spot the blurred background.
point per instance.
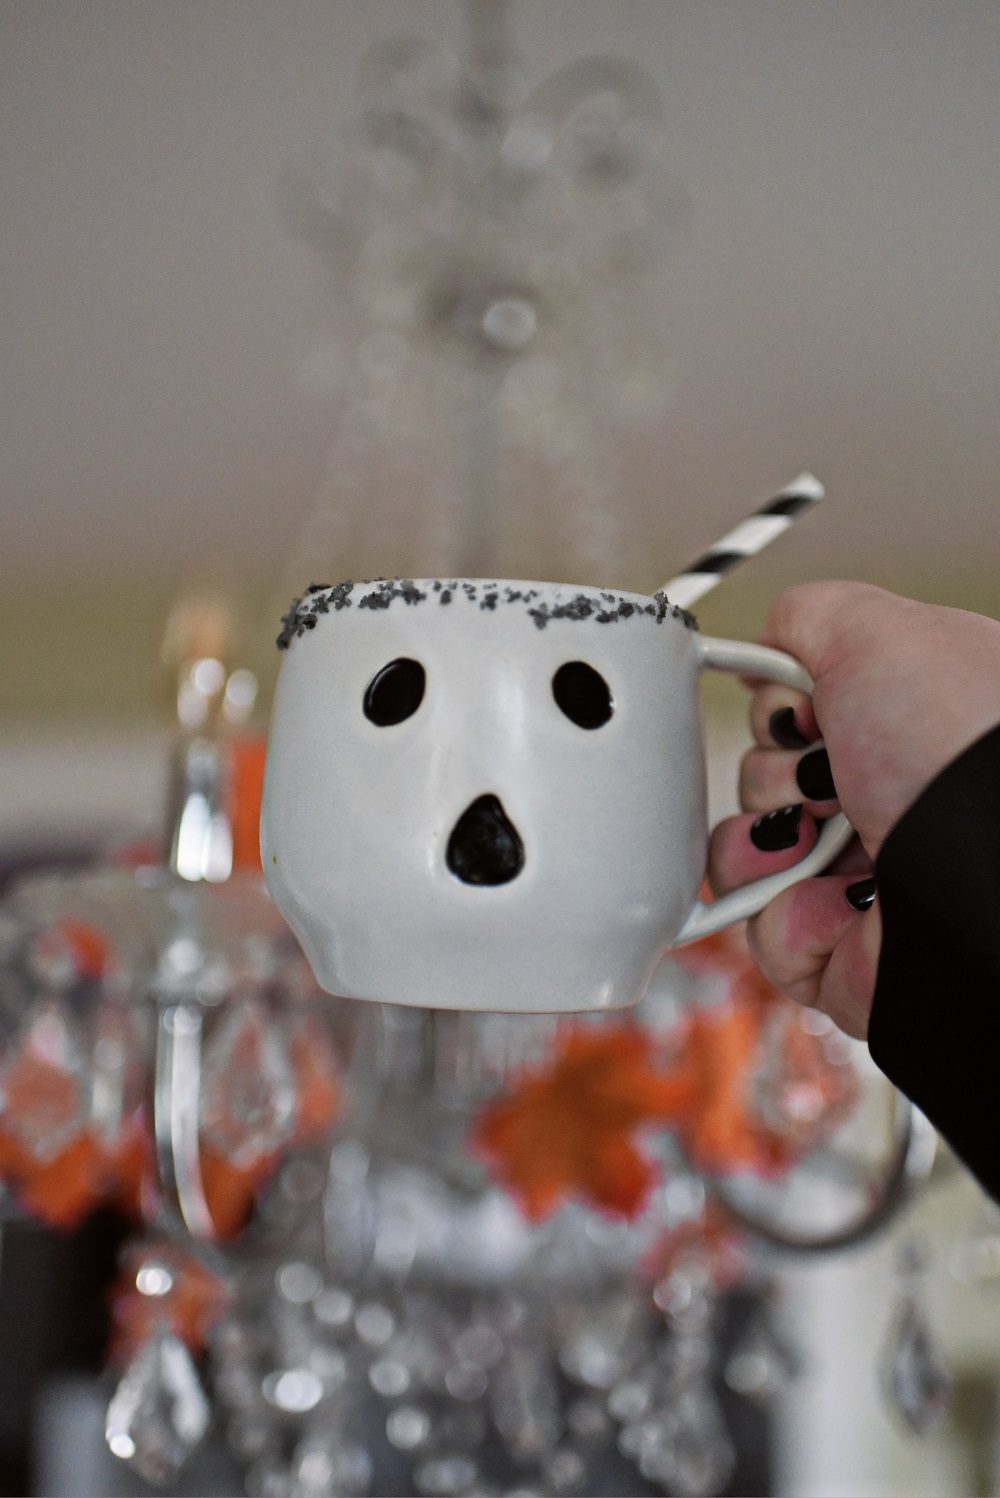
(188, 402)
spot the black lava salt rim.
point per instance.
(608, 608)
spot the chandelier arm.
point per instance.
(184, 1215)
(908, 1169)
(176, 1112)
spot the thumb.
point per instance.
(810, 620)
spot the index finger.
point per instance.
(807, 619)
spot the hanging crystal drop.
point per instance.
(682, 1443)
(525, 1401)
(42, 1086)
(324, 1465)
(760, 1365)
(248, 1097)
(565, 1471)
(448, 1476)
(588, 1421)
(158, 1413)
(268, 1478)
(597, 1351)
(407, 1427)
(692, 1452)
(917, 1384)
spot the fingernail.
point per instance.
(784, 730)
(777, 830)
(814, 776)
(862, 894)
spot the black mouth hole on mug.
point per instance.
(583, 694)
(395, 692)
(485, 847)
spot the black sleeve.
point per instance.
(935, 1023)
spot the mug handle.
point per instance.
(746, 659)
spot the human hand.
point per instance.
(901, 688)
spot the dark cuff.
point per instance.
(935, 1023)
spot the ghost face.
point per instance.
(485, 795)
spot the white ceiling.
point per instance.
(839, 304)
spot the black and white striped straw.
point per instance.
(748, 538)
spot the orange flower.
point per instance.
(92, 950)
(61, 1191)
(247, 756)
(721, 1048)
(568, 1129)
(88, 1172)
(767, 1089)
(743, 1086)
(132, 1161)
(230, 1192)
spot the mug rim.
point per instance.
(585, 600)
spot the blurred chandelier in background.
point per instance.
(497, 339)
(406, 1250)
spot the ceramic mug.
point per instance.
(491, 795)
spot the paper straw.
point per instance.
(748, 538)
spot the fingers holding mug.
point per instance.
(818, 942)
(771, 778)
(782, 718)
(749, 847)
(787, 790)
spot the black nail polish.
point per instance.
(784, 730)
(861, 895)
(777, 830)
(814, 776)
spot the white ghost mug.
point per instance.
(491, 795)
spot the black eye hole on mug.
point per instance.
(583, 694)
(395, 692)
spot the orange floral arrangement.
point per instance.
(569, 1128)
(573, 1127)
